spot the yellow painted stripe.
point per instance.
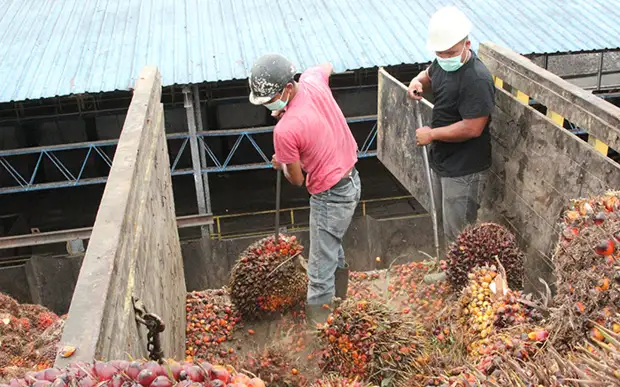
(599, 145)
(499, 83)
(521, 96)
(555, 117)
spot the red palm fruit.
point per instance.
(51, 374)
(599, 218)
(161, 381)
(605, 247)
(221, 373)
(133, 370)
(146, 377)
(195, 374)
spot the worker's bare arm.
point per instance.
(460, 131)
(418, 84)
(424, 79)
(295, 175)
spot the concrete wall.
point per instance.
(208, 262)
(537, 165)
(51, 280)
(13, 281)
(134, 250)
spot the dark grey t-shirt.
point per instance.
(466, 93)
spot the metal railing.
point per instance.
(290, 218)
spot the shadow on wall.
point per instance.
(208, 262)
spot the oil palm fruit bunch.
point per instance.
(480, 245)
(117, 373)
(367, 340)
(269, 277)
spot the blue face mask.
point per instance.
(276, 105)
(451, 64)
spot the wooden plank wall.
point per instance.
(538, 166)
(134, 249)
(396, 145)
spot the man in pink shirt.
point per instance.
(313, 136)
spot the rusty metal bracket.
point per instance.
(154, 325)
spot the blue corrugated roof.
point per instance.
(59, 47)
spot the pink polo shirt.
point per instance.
(314, 131)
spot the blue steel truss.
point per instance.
(22, 182)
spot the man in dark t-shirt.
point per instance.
(464, 98)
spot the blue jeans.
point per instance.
(331, 212)
(457, 201)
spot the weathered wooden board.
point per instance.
(597, 116)
(396, 145)
(134, 249)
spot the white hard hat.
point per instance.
(447, 27)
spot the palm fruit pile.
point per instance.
(269, 278)
(211, 323)
(423, 301)
(118, 373)
(276, 365)
(361, 285)
(338, 381)
(365, 339)
(29, 335)
(484, 244)
(587, 270)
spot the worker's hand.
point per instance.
(415, 89)
(277, 114)
(275, 164)
(423, 136)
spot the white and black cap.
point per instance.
(269, 75)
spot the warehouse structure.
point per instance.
(68, 67)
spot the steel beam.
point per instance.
(26, 181)
(46, 238)
(203, 156)
(193, 143)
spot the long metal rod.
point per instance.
(193, 143)
(278, 191)
(46, 238)
(427, 167)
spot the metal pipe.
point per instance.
(599, 75)
(46, 238)
(193, 142)
(431, 191)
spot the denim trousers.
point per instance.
(331, 212)
(457, 201)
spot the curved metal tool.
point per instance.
(427, 167)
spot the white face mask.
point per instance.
(451, 64)
(278, 104)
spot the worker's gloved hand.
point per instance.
(415, 90)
